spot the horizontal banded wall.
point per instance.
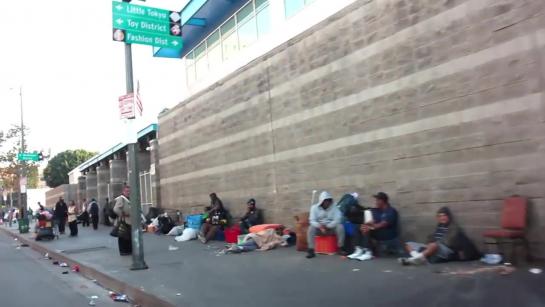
(434, 102)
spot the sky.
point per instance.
(72, 73)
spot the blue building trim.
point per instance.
(199, 19)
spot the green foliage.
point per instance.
(56, 172)
(10, 145)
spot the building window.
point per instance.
(201, 61)
(247, 29)
(243, 29)
(293, 7)
(263, 18)
(190, 68)
(214, 50)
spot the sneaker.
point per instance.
(310, 253)
(418, 260)
(403, 261)
(365, 256)
(414, 254)
(358, 252)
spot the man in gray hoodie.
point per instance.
(324, 219)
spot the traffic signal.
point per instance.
(41, 156)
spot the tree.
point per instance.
(10, 167)
(56, 172)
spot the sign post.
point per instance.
(138, 262)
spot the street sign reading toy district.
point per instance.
(146, 25)
(28, 156)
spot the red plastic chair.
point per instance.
(513, 226)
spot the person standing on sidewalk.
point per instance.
(73, 219)
(61, 213)
(84, 214)
(93, 212)
(123, 210)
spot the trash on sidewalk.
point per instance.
(173, 248)
(355, 270)
(24, 245)
(15, 239)
(55, 262)
(492, 259)
(18, 247)
(178, 294)
(65, 272)
(502, 270)
(46, 256)
(92, 302)
(188, 234)
(387, 271)
(75, 268)
(176, 231)
(63, 265)
(535, 271)
(119, 297)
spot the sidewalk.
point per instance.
(198, 275)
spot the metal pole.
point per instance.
(22, 211)
(138, 262)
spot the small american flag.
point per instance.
(138, 100)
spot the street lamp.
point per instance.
(22, 165)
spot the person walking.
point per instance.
(73, 219)
(123, 210)
(60, 214)
(93, 212)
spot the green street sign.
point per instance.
(28, 156)
(136, 24)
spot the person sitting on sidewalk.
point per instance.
(383, 228)
(215, 218)
(325, 219)
(251, 218)
(447, 243)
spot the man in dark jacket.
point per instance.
(61, 214)
(93, 211)
(251, 218)
(448, 242)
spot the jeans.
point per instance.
(248, 246)
(313, 232)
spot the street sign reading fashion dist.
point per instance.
(136, 24)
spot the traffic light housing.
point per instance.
(41, 156)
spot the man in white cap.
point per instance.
(324, 219)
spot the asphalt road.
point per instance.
(27, 279)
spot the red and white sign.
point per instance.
(126, 106)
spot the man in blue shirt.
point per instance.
(384, 227)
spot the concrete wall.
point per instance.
(434, 102)
(67, 191)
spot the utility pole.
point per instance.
(22, 209)
(138, 262)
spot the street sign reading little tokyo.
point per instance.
(28, 156)
(136, 24)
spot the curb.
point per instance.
(137, 296)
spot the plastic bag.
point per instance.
(176, 231)
(188, 234)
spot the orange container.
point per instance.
(325, 245)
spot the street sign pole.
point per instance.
(138, 262)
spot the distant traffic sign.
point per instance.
(126, 106)
(136, 24)
(28, 156)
